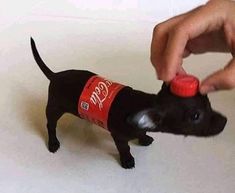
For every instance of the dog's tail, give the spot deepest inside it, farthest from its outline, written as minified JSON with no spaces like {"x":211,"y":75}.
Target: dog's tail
{"x":40,"y":62}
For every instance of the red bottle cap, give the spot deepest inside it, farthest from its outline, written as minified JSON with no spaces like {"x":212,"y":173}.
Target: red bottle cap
{"x":184,"y":85}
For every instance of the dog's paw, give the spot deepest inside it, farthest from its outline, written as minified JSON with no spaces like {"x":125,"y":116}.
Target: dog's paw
{"x":145,"y":140}
{"x":128,"y":163}
{"x":53,"y":146}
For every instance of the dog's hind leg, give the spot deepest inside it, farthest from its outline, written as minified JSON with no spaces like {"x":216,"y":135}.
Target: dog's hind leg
{"x":53,"y":114}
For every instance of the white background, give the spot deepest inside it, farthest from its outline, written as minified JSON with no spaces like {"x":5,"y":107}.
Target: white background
{"x":111,"y":38}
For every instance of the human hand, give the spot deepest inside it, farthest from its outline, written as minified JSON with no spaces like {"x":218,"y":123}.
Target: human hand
{"x":210,"y":27}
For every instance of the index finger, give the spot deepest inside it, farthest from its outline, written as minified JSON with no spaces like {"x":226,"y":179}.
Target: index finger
{"x":160,"y":39}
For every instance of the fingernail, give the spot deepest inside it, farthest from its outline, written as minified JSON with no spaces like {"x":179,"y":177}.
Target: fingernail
{"x":206,"y":89}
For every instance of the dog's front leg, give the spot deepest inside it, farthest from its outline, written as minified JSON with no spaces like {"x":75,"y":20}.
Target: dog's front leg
{"x":126,"y":159}
{"x":144,"y":139}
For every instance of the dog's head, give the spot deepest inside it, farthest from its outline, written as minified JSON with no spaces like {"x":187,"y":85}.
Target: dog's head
{"x":177,"y":115}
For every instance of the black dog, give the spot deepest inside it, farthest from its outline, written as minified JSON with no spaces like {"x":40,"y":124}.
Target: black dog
{"x":132,"y":113}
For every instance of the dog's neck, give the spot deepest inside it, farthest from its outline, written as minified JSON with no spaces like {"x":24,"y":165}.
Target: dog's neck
{"x":142,"y":110}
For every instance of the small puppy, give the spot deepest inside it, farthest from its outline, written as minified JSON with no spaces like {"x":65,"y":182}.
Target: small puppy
{"x":132,"y":113}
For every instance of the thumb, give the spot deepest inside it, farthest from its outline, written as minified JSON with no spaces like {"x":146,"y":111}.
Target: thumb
{"x":223,"y":79}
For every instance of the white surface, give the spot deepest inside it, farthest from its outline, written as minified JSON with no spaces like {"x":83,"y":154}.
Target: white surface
{"x":113,"y":41}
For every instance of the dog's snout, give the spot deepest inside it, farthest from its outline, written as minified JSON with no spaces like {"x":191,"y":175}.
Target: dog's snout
{"x":217,"y":124}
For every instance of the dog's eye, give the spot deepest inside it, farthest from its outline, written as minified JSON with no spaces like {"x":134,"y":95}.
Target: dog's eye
{"x":195,"y":116}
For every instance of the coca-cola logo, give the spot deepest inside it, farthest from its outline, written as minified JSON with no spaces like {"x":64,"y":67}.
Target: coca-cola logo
{"x":100,"y":93}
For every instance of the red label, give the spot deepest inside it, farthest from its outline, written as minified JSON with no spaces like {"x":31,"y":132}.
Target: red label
{"x":96,"y":99}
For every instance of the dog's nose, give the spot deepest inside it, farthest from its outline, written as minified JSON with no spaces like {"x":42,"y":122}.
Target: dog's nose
{"x":217,"y":123}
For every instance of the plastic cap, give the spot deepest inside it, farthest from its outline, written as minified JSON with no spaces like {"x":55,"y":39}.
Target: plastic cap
{"x":184,"y":85}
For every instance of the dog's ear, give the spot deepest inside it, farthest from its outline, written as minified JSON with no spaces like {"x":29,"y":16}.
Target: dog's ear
{"x":147,"y":119}
{"x":164,"y":86}
{"x":164,"y":89}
